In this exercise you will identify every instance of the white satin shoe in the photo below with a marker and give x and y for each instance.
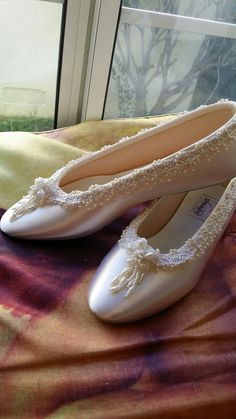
(194, 150)
(142, 275)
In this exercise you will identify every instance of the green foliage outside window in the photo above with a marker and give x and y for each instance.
(25, 123)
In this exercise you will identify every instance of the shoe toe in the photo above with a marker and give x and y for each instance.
(117, 307)
(156, 292)
(42, 223)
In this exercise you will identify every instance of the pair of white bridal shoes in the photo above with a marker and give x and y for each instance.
(163, 251)
(161, 254)
(195, 150)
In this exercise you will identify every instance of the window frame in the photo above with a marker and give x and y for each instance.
(178, 22)
(90, 29)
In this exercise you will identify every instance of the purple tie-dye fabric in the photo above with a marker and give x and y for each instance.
(59, 361)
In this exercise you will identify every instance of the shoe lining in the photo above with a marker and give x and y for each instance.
(188, 217)
(83, 184)
(152, 147)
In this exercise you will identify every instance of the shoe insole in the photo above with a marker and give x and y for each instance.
(191, 214)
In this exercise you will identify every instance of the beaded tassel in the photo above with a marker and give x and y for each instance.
(35, 198)
(138, 265)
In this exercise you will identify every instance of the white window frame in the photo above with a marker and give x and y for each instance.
(77, 25)
(178, 22)
(101, 48)
(88, 43)
(55, 1)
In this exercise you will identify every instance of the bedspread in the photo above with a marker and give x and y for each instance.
(57, 360)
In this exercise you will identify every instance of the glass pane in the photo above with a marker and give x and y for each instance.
(29, 47)
(157, 70)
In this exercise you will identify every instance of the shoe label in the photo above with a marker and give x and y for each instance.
(203, 207)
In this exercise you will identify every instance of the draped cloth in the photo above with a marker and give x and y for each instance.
(57, 360)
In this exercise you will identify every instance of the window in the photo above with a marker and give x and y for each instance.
(29, 50)
(172, 55)
(169, 56)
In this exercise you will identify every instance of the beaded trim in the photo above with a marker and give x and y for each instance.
(143, 259)
(46, 190)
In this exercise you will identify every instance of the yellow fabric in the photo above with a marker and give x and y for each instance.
(95, 134)
(25, 156)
